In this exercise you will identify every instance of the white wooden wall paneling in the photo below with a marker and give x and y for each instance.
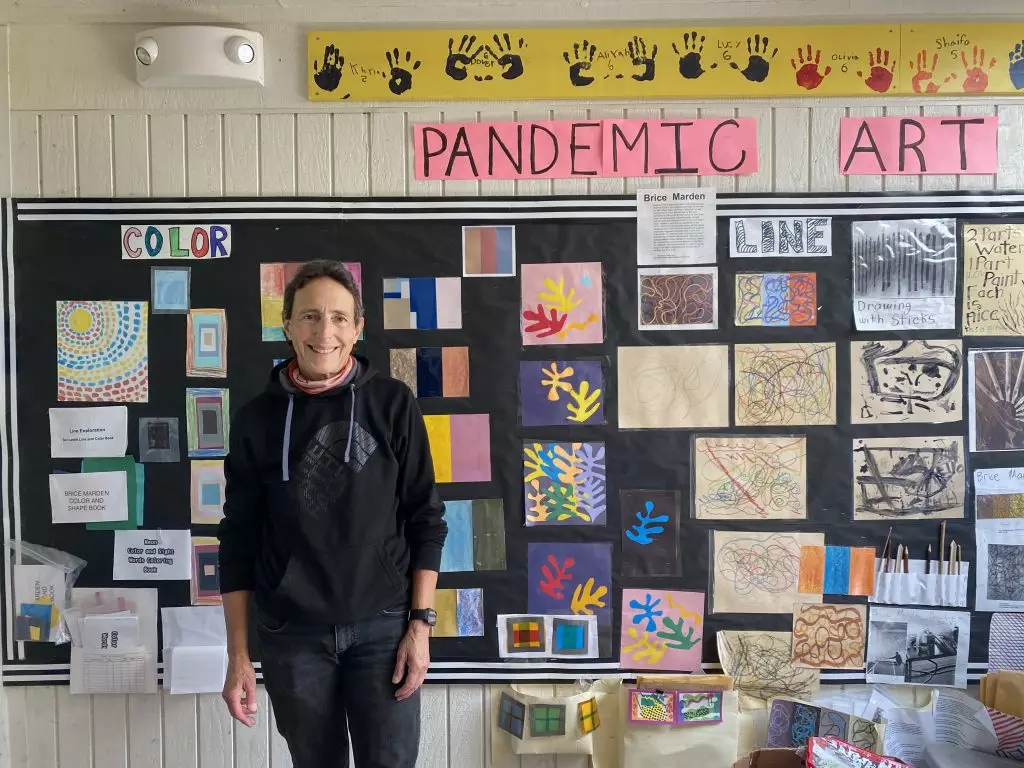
(133, 153)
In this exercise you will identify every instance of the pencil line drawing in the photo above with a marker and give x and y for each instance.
(750, 477)
(785, 384)
(908, 477)
(768, 563)
(673, 387)
(1005, 572)
(829, 636)
(762, 665)
(896, 381)
(997, 380)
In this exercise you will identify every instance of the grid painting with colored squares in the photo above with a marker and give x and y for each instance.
(511, 716)
(590, 718)
(527, 635)
(547, 720)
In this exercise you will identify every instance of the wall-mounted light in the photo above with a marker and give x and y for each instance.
(196, 56)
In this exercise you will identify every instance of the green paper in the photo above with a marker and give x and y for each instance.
(136, 474)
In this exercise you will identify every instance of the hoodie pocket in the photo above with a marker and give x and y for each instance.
(389, 567)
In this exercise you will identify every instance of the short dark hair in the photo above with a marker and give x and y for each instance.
(317, 268)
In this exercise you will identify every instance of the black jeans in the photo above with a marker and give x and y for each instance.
(317, 677)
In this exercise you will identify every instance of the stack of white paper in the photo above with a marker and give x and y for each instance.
(195, 649)
(114, 641)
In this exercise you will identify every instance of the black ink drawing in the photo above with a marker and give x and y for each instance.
(908, 477)
(690, 65)
(906, 381)
(761, 665)
(997, 399)
(1005, 572)
(904, 259)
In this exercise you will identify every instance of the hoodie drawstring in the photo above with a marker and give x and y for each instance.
(286, 444)
(287, 438)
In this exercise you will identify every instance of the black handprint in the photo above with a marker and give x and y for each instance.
(582, 58)
(455, 66)
(690, 65)
(401, 71)
(638, 53)
(328, 77)
(759, 62)
(511, 63)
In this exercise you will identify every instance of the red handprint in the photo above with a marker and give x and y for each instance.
(976, 77)
(553, 583)
(879, 79)
(807, 74)
(923, 81)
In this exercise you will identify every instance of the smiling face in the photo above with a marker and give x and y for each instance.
(323, 328)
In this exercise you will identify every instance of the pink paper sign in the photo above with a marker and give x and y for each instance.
(661, 629)
(897, 146)
(562, 149)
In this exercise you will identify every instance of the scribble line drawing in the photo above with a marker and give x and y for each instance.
(777, 299)
(785, 384)
(908, 378)
(766, 564)
(830, 636)
(998, 400)
(1005, 572)
(673, 387)
(762, 665)
(908, 477)
(682, 300)
(750, 477)
(904, 259)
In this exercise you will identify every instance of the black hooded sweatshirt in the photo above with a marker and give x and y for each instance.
(329, 501)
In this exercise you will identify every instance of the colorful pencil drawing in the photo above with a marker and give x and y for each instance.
(996, 392)
(102, 351)
(561, 392)
(460, 445)
(562, 303)
(422, 303)
(905, 381)
(207, 491)
(677, 298)
(678, 387)
(273, 279)
(829, 636)
(908, 478)
(169, 290)
(661, 629)
(205, 571)
(650, 532)
(460, 613)
(206, 354)
(564, 483)
(432, 371)
(476, 536)
(206, 411)
(776, 299)
(750, 478)
(785, 384)
(570, 579)
(489, 251)
(758, 572)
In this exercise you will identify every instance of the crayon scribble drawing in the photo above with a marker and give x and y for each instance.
(650, 532)
(273, 279)
(561, 392)
(562, 303)
(758, 572)
(905, 381)
(566, 579)
(762, 665)
(102, 351)
(750, 478)
(661, 629)
(996, 391)
(785, 384)
(829, 636)
(684, 387)
(908, 478)
(776, 299)
(678, 299)
(564, 483)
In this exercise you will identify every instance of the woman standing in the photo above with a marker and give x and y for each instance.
(331, 521)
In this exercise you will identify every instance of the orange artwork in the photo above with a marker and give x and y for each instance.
(829, 636)
(812, 570)
(862, 571)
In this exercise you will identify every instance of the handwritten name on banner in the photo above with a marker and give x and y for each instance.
(894, 146)
(561, 149)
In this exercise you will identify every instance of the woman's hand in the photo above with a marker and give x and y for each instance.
(240, 690)
(413, 659)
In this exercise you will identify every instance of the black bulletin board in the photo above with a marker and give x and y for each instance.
(68, 250)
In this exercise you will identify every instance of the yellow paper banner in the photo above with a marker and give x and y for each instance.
(664, 62)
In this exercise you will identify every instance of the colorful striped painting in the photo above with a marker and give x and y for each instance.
(206, 353)
(489, 251)
(776, 299)
(476, 536)
(422, 303)
(102, 351)
(837, 570)
(433, 371)
(273, 279)
(460, 613)
(460, 445)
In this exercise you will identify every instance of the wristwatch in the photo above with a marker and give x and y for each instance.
(426, 615)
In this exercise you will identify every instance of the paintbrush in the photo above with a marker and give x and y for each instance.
(928, 560)
(885, 551)
(942, 544)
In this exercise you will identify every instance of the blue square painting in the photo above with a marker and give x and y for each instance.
(170, 289)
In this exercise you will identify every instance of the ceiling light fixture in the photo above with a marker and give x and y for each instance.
(145, 51)
(240, 50)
